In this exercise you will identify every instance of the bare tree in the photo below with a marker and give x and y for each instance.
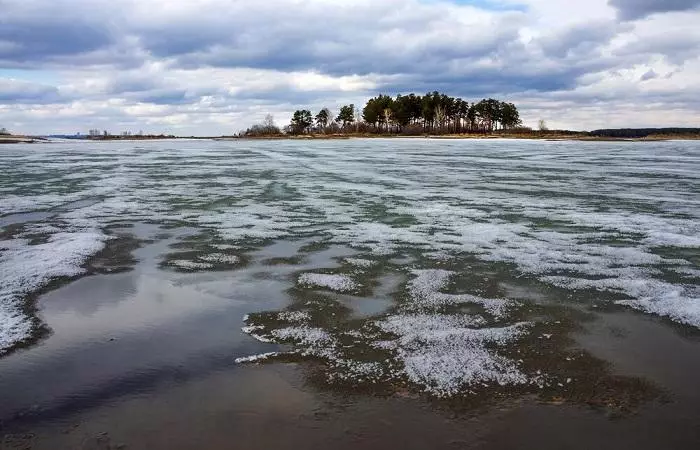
(387, 117)
(269, 121)
(439, 116)
(542, 125)
(266, 128)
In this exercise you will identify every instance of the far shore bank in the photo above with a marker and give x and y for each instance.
(476, 136)
(11, 139)
(544, 136)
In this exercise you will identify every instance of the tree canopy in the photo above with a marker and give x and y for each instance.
(346, 116)
(301, 121)
(433, 112)
(322, 118)
(436, 112)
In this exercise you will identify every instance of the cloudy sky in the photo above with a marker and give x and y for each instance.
(210, 67)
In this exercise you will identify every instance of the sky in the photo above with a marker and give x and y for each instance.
(213, 67)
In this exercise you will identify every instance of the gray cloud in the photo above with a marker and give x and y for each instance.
(676, 46)
(638, 9)
(583, 40)
(39, 39)
(118, 57)
(336, 44)
(649, 75)
(164, 97)
(434, 49)
(128, 84)
(15, 92)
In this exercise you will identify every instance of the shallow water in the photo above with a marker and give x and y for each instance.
(466, 273)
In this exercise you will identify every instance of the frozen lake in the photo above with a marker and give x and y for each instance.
(444, 268)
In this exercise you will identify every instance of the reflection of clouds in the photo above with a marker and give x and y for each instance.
(130, 301)
(84, 298)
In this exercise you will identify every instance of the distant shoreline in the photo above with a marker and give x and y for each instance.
(550, 135)
(473, 136)
(546, 136)
(12, 139)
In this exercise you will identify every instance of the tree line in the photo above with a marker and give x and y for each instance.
(645, 132)
(433, 113)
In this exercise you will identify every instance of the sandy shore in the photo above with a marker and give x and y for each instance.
(9, 139)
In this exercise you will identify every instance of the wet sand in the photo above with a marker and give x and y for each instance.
(144, 359)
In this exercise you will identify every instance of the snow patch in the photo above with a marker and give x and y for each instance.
(338, 283)
(220, 258)
(446, 355)
(359, 262)
(256, 332)
(26, 268)
(680, 303)
(256, 358)
(190, 265)
(293, 316)
(425, 293)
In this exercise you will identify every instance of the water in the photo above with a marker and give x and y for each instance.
(453, 270)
